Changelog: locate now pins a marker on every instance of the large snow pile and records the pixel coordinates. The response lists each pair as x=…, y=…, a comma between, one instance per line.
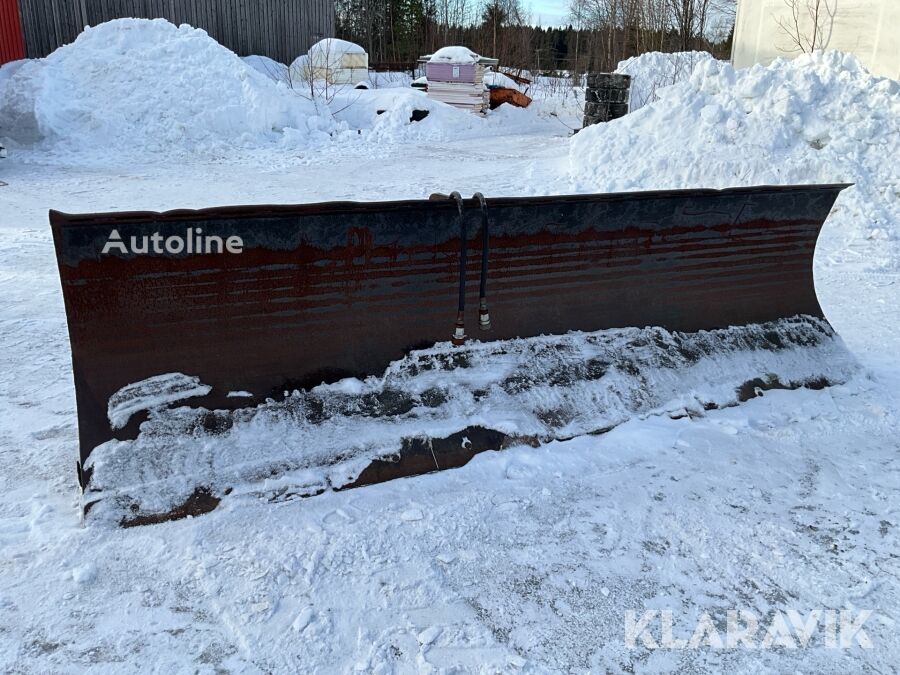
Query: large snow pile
x=7, y=70
x=652, y=71
x=820, y=118
x=147, y=85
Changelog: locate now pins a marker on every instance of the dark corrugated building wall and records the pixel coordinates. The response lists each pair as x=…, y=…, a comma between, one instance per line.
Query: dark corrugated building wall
x=280, y=29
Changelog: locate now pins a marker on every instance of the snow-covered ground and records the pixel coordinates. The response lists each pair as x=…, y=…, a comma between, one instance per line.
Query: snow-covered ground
x=527, y=560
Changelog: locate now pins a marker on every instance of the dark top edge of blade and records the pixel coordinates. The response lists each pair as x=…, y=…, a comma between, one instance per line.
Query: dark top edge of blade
x=61, y=219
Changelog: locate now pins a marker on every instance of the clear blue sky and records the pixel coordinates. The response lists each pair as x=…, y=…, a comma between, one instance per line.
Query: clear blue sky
x=548, y=12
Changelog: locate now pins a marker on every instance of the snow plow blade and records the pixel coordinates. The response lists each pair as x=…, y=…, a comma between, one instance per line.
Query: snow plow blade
x=228, y=308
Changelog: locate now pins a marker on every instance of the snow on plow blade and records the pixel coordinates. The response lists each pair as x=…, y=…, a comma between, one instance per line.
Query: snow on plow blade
x=177, y=318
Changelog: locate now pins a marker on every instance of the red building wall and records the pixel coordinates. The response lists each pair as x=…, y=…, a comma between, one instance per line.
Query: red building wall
x=12, y=46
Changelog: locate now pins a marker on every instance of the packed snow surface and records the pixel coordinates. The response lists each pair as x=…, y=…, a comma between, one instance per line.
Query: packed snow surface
x=137, y=85
x=455, y=54
x=651, y=71
x=820, y=118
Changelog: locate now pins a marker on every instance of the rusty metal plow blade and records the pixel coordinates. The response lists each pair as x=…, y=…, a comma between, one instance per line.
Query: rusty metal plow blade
x=211, y=348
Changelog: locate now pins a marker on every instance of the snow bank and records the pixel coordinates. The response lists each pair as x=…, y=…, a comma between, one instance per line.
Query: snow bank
x=390, y=79
x=359, y=110
x=820, y=118
x=454, y=55
x=538, y=388
x=654, y=70
x=7, y=70
x=494, y=79
x=137, y=85
x=274, y=70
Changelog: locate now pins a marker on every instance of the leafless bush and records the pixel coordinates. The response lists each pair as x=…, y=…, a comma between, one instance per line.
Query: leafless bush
x=809, y=26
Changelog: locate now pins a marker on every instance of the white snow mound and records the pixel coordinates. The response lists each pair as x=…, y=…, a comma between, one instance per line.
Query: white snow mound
x=275, y=71
x=454, y=54
x=820, y=118
x=652, y=71
x=146, y=85
x=359, y=110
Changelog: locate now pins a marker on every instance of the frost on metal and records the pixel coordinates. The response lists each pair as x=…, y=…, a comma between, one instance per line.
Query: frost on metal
x=154, y=392
x=537, y=390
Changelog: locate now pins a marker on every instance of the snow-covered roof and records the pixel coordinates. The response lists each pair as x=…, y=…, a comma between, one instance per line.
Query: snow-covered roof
x=335, y=46
x=454, y=55
x=333, y=53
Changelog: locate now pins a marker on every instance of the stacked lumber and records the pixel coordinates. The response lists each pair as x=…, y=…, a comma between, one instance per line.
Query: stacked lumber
x=467, y=95
x=456, y=77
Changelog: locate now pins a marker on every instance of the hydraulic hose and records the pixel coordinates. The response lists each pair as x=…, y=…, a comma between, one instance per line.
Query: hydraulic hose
x=459, y=330
x=484, y=317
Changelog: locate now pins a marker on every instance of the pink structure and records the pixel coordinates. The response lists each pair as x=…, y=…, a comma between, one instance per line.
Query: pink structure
x=450, y=72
